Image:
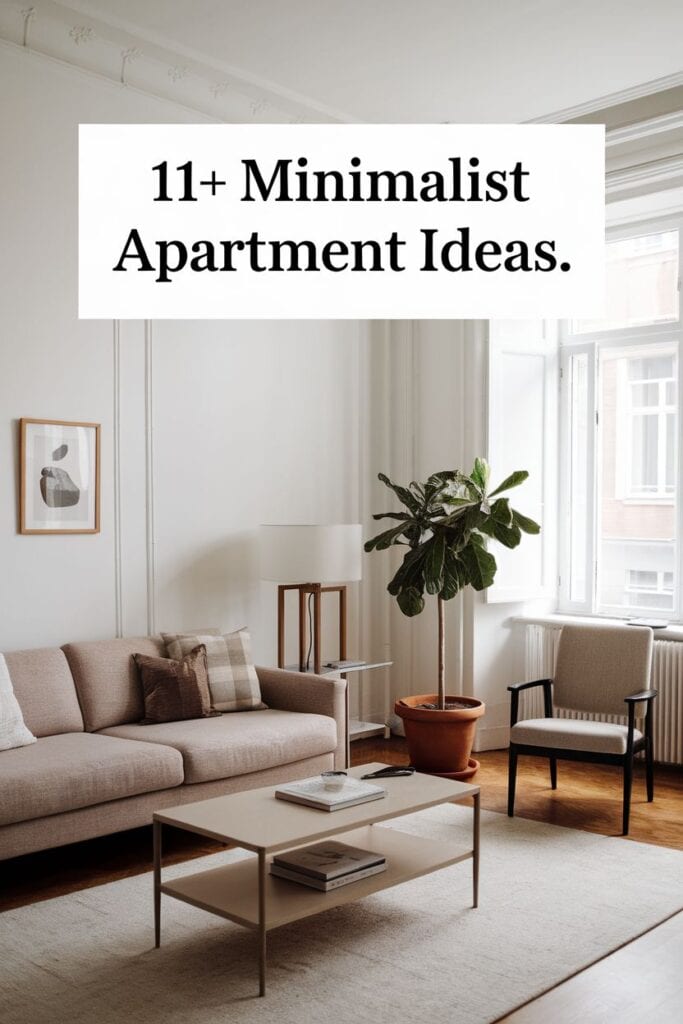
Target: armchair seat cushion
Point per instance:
(240, 742)
(570, 734)
(72, 770)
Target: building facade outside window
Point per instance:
(621, 510)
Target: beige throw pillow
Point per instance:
(13, 732)
(233, 681)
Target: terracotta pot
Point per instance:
(439, 742)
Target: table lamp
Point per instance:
(303, 558)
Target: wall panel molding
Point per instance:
(116, 429)
(149, 479)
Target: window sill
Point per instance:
(672, 632)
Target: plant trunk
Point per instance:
(442, 654)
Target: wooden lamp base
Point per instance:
(317, 590)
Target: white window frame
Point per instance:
(591, 344)
(627, 412)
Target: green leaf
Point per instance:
(446, 476)
(399, 516)
(410, 601)
(479, 563)
(462, 516)
(454, 578)
(433, 570)
(480, 474)
(514, 480)
(385, 539)
(410, 572)
(524, 523)
(451, 499)
(402, 493)
(510, 536)
(501, 512)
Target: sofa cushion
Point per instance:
(571, 734)
(240, 742)
(61, 773)
(44, 688)
(174, 691)
(107, 679)
(232, 677)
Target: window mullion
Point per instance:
(661, 447)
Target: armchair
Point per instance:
(601, 670)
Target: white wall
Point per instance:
(254, 422)
(208, 428)
(51, 365)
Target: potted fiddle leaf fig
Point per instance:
(446, 524)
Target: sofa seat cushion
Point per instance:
(240, 742)
(62, 773)
(571, 734)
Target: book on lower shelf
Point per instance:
(312, 793)
(327, 865)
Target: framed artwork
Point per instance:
(60, 477)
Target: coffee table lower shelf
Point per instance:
(232, 892)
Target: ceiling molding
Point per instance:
(658, 174)
(614, 99)
(240, 78)
(68, 34)
(645, 129)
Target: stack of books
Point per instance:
(312, 793)
(327, 865)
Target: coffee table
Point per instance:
(244, 891)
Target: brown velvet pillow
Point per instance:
(175, 690)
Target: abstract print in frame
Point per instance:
(60, 477)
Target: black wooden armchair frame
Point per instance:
(555, 754)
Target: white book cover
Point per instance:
(313, 793)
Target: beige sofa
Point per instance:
(95, 770)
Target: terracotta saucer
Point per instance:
(467, 773)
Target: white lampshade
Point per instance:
(311, 554)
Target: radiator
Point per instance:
(667, 677)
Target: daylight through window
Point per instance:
(621, 507)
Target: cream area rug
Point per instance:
(552, 901)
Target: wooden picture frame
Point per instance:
(60, 477)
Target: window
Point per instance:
(650, 589)
(622, 513)
(645, 385)
(641, 283)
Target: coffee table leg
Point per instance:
(262, 920)
(157, 826)
(475, 851)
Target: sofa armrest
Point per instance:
(308, 693)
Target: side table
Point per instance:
(356, 728)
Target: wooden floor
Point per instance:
(588, 796)
(640, 982)
(643, 979)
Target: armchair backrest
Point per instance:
(597, 666)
